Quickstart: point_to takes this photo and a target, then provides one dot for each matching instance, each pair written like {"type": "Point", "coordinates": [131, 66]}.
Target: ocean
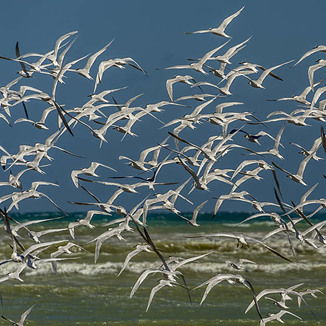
{"type": "Point", "coordinates": [85, 293]}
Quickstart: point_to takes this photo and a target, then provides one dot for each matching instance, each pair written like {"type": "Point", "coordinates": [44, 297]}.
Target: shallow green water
{"type": "Point", "coordinates": [85, 293]}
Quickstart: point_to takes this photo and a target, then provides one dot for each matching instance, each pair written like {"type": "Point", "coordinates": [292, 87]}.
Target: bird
{"type": "Point", "coordinates": [16, 197]}
{"type": "Point", "coordinates": [284, 292]}
{"type": "Point", "coordinates": [277, 317]}
{"type": "Point", "coordinates": [198, 65]}
{"type": "Point", "coordinates": [275, 150]}
{"type": "Point", "coordinates": [321, 63]}
{"type": "Point", "coordinates": [220, 30]}
{"type": "Point", "coordinates": [244, 240]}
{"type": "Point", "coordinates": [186, 79]}
{"type": "Point", "coordinates": [239, 265]}
{"type": "Point", "coordinates": [141, 163]}
{"type": "Point", "coordinates": [107, 235]}
{"type": "Point", "coordinates": [14, 180]}
{"type": "Point", "coordinates": [63, 250]}
{"type": "Point", "coordinates": [36, 235]}
{"type": "Point", "coordinates": [254, 138]}
{"type": "Point", "coordinates": [318, 48]}
{"type": "Point", "coordinates": [16, 227]}
{"type": "Point", "coordinates": [86, 70]}
{"type": "Point", "coordinates": [301, 98]}
{"type": "Point", "coordinates": [156, 288]}
{"type": "Point", "coordinates": [167, 201]}
{"type": "Point", "coordinates": [23, 72]}
{"type": "Point", "coordinates": [225, 58]}
{"type": "Point", "coordinates": [231, 279]}
{"type": "Point", "coordinates": [100, 96]}
{"type": "Point", "coordinates": [317, 143]}
{"type": "Point", "coordinates": [254, 68]}
{"type": "Point", "coordinates": [258, 82]}
{"type": "Point", "coordinates": [261, 163]}
{"type": "Point", "coordinates": [88, 171]}
{"type": "Point", "coordinates": [298, 177]}
{"type": "Point", "coordinates": [136, 251]}
{"type": "Point", "coordinates": [197, 182]}
{"type": "Point", "coordinates": [274, 217]}
{"type": "Point", "coordinates": [53, 56]}
{"type": "Point", "coordinates": [193, 220]}
{"type": "Point", "coordinates": [225, 90]}
{"type": "Point", "coordinates": [317, 94]}
{"type": "Point", "coordinates": [85, 221]}
{"type": "Point", "coordinates": [230, 196]}
{"type": "Point", "coordinates": [15, 274]}
{"type": "Point", "coordinates": [22, 317]}
{"type": "Point", "coordinates": [117, 62]}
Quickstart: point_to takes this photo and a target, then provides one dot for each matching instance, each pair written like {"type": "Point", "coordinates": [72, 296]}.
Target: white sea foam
{"type": "Point", "coordinates": [139, 267]}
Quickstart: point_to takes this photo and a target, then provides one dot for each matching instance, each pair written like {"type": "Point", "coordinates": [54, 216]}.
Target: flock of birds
{"type": "Point", "coordinates": [199, 163]}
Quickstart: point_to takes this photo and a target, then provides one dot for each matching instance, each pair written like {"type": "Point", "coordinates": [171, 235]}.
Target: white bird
{"type": "Point", "coordinates": [225, 58]}
{"type": "Point", "coordinates": [220, 107]}
{"type": "Point", "coordinates": [321, 63]}
{"type": "Point", "coordinates": [100, 97]}
{"type": "Point", "coordinates": [107, 235]}
{"type": "Point", "coordinates": [167, 201]}
{"type": "Point", "coordinates": [284, 292]}
{"type": "Point", "coordinates": [274, 217]}
{"type": "Point", "coordinates": [16, 197]}
{"type": "Point", "coordinates": [240, 264]}
{"type": "Point", "coordinates": [143, 276]}
{"type": "Point", "coordinates": [187, 79]}
{"type": "Point", "coordinates": [220, 30]}
{"type": "Point", "coordinates": [117, 62]}
{"type": "Point", "coordinates": [260, 163]}
{"type": "Point", "coordinates": [277, 317]}
{"type": "Point", "coordinates": [244, 240]}
{"type": "Point", "coordinates": [318, 48]}
{"type": "Point", "coordinates": [193, 220]}
{"type": "Point", "coordinates": [88, 171]}
{"type": "Point", "coordinates": [198, 97]}
{"type": "Point", "coordinates": [317, 94]}
{"type": "Point", "coordinates": [275, 150]}
{"type": "Point", "coordinates": [14, 180]}
{"type": "Point", "coordinates": [301, 98]}
{"type": "Point", "coordinates": [139, 248]}
{"type": "Point", "coordinates": [15, 274]}
{"type": "Point", "coordinates": [298, 177]}
{"type": "Point", "coordinates": [312, 292]}
{"type": "Point", "coordinates": [316, 145]}
{"type": "Point", "coordinates": [231, 196]}
{"type": "Point", "coordinates": [22, 317]}
{"type": "Point", "coordinates": [85, 71]}
{"type": "Point", "coordinates": [258, 82]}
{"type": "Point", "coordinates": [197, 181]}
{"type": "Point", "coordinates": [36, 124]}
{"type": "Point", "coordinates": [254, 68]}
{"type": "Point", "coordinates": [230, 278]}
{"type": "Point", "coordinates": [16, 227]}
{"type": "Point", "coordinates": [85, 221]}
{"type": "Point", "coordinates": [60, 251]}
{"type": "Point", "coordinates": [198, 65]}
{"type": "Point", "coordinates": [141, 162]}
{"type": "Point", "coordinates": [53, 56]}
{"type": "Point", "coordinates": [36, 235]}
{"type": "Point", "coordinates": [156, 288]}
{"type": "Point", "coordinates": [219, 72]}
{"type": "Point", "coordinates": [169, 275]}
{"type": "Point", "coordinates": [225, 90]}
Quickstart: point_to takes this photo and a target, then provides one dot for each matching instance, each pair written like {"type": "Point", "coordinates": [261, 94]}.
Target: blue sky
{"type": "Point", "coordinates": [153, 33]}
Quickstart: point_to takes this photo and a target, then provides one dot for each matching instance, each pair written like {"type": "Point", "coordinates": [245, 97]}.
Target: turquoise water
{"type": "Point", "coordinates": [84, 293]}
